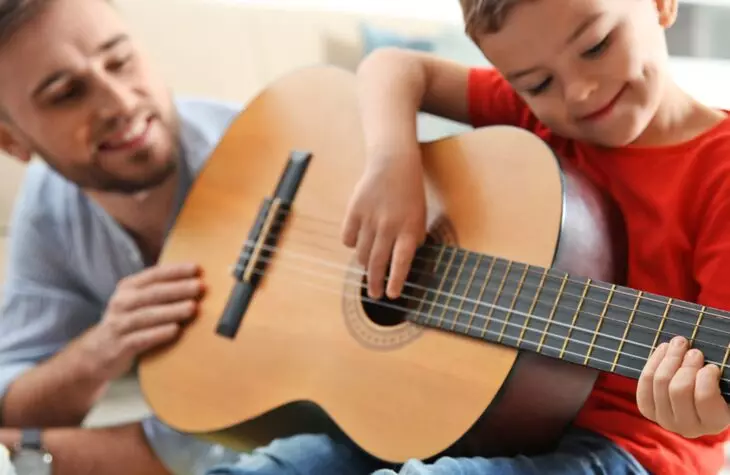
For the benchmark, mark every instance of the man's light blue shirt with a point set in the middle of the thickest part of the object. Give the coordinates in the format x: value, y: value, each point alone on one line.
x: 66, y: 255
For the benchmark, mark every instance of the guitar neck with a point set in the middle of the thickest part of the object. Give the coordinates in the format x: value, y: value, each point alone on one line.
x: 595, y: 324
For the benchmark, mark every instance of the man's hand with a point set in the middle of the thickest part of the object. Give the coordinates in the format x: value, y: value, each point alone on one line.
x: 682, y: 394
x: 147, y: 310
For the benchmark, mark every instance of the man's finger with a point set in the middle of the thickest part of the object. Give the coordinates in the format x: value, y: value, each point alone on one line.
x: 145, y: 340
x: 164, y: 293
x: 162, y: 273
x: 154, y: 316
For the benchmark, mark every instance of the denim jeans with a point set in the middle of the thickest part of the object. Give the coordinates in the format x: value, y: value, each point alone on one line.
x: 579, y: 453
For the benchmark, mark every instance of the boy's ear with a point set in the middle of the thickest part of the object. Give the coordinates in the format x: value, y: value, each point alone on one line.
x: 10, y: 143
x: 667, y: 10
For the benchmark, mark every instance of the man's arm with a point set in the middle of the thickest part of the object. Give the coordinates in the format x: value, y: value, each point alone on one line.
x: 59, y: 392
x: 119, y: 450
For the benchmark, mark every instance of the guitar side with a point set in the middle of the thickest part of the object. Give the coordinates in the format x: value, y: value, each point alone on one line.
x: 308, y: 355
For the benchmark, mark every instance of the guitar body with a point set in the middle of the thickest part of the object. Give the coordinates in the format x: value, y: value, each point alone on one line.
x: 310, y: 355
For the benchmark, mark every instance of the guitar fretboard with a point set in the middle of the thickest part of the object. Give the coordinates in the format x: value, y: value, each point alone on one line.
x: 595, y: 324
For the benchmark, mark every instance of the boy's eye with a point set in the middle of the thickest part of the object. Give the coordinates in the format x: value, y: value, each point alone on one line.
x: 540, y: 87
x: 597, y: 49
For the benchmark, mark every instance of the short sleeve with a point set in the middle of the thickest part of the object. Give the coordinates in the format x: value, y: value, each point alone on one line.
x: 42, y: 309
x: 493, y: 101
x: 712, y: 248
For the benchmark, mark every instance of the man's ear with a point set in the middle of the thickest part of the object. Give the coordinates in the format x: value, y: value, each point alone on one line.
x: 667, y: 10
x: 11, y: 144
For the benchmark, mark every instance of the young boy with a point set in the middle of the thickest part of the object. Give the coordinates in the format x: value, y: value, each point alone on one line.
x: 591, y: 78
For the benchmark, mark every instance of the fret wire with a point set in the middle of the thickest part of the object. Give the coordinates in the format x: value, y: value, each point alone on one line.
x: 440, y: 289
x: 626, y: 330
x: 644, y: 298
x: 661, y: 324
x: 425, y: 295
x: 514, y: 300
x: 575, y: 317
x: 467, y: 290
x: 496, y: 298
x: 534, y: 303
x: 629, y: 368
x: 724, y: 360
x: 665, y: 319
x: 485, y: 284
x: 620, y: 291
x: 552, y: 312
x: 697, y: 325
x: 598, y: 325
x: 451, y: 292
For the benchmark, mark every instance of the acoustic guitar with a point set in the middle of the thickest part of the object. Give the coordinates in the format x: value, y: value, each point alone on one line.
x: 512, y: 308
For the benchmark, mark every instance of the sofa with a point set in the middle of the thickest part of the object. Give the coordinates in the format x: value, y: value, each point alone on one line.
x: 230, y: 50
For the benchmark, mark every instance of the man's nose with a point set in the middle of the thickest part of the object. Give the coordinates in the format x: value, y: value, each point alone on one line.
x: 118, y: 99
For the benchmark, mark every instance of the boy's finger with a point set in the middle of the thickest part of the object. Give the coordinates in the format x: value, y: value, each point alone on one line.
x: 645, y: 388
x: 405, y: 249
x: 663, y: 377
x: 378, y: 263
x: 682, y: 390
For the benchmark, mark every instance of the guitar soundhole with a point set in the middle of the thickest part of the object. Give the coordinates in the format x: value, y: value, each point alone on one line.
x: 387, y: 324
x: 388, y: 312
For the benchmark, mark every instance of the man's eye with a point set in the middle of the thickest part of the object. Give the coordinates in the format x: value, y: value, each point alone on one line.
x: 119, y: 63
x: 71, y: 92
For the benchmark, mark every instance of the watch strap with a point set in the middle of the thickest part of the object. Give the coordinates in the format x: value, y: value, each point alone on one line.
x: 31, y: 438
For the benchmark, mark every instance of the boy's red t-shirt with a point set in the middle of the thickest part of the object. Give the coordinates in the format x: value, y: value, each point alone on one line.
x: 675, y: 202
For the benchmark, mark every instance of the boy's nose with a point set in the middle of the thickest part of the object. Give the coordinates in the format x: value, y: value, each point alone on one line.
x: 579, y: 91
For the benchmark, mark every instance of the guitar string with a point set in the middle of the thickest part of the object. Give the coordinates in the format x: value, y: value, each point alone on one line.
x: 493, y: 306
x: 506, y: 322
x: 678, y: 305
x: 542, y: 289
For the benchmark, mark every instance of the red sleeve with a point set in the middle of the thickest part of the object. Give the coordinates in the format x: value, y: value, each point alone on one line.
x: 493, y: 101
x: 712, y: 249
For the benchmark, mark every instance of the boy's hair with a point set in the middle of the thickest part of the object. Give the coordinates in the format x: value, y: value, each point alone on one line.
x: 485, y: 16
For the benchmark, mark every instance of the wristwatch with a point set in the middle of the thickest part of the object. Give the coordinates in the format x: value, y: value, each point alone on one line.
x: 30, y: 457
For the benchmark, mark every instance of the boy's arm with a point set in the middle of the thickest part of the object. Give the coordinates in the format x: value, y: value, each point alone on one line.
x: 386, y: 216
x: 394, y: 85
x: 119, y: 450
x: 679, y: 389
x: 387, y: 213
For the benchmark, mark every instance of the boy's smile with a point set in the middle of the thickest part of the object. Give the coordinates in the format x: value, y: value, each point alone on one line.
x: 604, y: 111
x: 591, y: 70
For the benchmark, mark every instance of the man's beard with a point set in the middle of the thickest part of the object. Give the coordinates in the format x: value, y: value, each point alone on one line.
x: 96, y: 178
x: 99, y: 180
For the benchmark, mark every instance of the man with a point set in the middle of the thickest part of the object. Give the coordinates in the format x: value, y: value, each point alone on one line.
x: 83, y: 297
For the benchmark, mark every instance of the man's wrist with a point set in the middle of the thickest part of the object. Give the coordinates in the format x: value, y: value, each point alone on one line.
x: 10, y: 438
x: 80, y: 367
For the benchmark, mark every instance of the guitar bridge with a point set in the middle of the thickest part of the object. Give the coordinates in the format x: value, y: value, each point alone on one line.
x: 262, y: 239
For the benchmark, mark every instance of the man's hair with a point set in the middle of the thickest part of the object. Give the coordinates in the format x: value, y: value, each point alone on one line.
x: 16, y: 13
x: 486, y: 16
